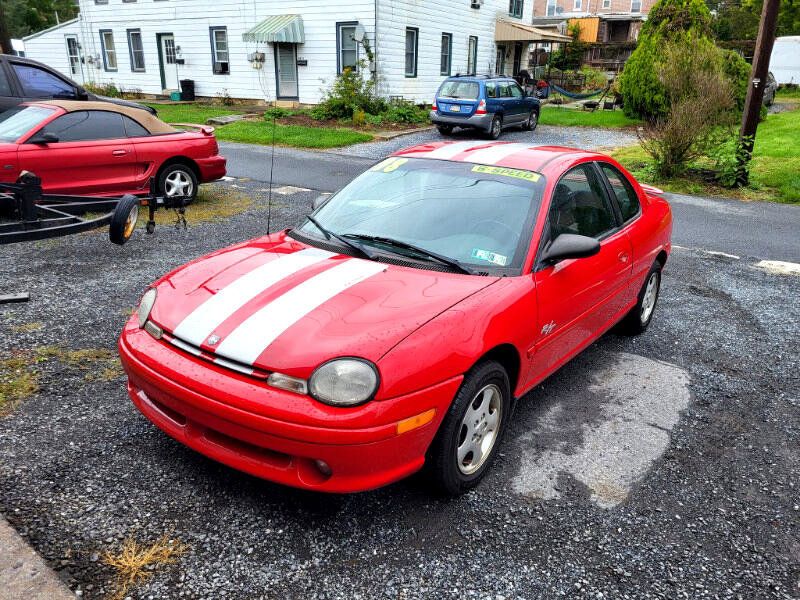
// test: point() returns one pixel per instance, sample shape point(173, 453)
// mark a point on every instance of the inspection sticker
point(491, 257)
point(518, 173)
point(390, 164)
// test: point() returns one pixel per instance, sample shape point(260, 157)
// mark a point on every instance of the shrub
point(571, 55)
point(350, 92)
point(701, 103)
point(103, 89)
point(277, 112)
point(403, 111)
point(373, 119)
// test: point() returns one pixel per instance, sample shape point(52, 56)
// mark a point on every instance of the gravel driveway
point(545, 135)
point(664, 466)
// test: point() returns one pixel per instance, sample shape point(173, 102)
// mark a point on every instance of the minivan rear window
point(465, 90)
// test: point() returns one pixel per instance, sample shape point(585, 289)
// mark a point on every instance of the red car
point(98, 148)
point(396, 326)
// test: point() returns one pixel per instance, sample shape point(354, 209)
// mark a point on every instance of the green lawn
point(189, 113)
point(260, 132)
point(556, 115)
point(786, 94)
point(773, 171)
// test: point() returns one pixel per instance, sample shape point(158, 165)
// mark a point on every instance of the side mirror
point(569, 245)
point(319, 201)
point(81, 93)
point(43, 138)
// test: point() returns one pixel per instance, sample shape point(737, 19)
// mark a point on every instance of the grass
point(135, 562)
point(788, 94)
point(27, 327)
point(773, 170)
point(298, 136)
point(213, 203)
point(18, 380)
point(190, 113)
point(556, 115)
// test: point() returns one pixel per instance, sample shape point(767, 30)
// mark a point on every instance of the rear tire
point(496, 128)
point(177, 180)
point(639, 317)
point(445, 129)
point(472, 430)
point(532, 122)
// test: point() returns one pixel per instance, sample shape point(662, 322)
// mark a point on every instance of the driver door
point(578, 299)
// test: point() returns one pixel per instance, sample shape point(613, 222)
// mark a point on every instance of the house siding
point(50, 47)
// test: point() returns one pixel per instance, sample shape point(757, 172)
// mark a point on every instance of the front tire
point(178, 180)
point(639, 317)
point(471, 432)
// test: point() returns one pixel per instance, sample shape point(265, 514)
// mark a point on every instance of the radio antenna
point(271, 167)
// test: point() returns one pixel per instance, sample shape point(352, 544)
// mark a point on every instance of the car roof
point(150, 122)
point(479, 78)
point(514, 155)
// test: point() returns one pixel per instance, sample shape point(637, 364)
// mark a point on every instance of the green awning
point(280, 28)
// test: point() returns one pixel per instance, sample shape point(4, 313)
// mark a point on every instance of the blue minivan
point(484, 102)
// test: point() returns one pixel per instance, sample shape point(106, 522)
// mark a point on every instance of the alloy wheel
point(480, 427)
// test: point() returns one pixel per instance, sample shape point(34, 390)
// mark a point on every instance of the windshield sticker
point(505, 171)
point(491, 257)
point(390, 164)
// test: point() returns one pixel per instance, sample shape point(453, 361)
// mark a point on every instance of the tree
point(23, 17)
point(739, 20)
point(682, 22)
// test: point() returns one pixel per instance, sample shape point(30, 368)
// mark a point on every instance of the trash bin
point(187, 89)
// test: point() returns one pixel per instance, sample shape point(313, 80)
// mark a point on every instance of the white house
point(285, 50)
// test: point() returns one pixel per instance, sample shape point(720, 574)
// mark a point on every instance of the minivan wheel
point(445, 129)
point(472, 429)
point(496, 128)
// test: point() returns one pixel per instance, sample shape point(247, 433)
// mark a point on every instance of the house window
point(101, 1)
point(109, 51)
point(551, 8)
point(636, 6)
point(347, 57)
point(219, 50)
point(73, 55)
point(515, 8)
point(136, 50)
point(447, 53)
point(412, 33)
point(472, 55)
point(606, 3)
point(578, 5)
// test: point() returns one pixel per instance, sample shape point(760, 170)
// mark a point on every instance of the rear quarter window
point(464, 90)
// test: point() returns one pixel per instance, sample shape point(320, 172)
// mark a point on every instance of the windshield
point(16, 122)
point(481, 216)
point(465, 90)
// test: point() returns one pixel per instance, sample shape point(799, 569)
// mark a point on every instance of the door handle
point(623, 257)
point(119, 152)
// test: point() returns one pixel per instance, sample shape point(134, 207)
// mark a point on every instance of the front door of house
point(517, 58)
point(168, 61)
point(286, 70)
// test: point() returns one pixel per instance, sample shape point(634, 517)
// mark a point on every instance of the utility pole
point(755, 88)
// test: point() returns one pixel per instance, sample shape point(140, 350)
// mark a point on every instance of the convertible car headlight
point(344, 382)
point(145, 306)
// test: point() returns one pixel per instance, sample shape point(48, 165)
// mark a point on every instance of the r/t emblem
point(548, 327)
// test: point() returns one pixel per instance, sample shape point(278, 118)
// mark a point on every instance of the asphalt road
point(759, 229)
point(663, 466)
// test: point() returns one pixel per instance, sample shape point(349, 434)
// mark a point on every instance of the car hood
point(279, 305)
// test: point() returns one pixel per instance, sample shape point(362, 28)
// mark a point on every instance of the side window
point(516, 91)
point(38, 83)
point(623, 190)
point(491, 89)
point(579, 205)
point(5, 88)
point(133, 129)
point(87, 125)
point(504, 89)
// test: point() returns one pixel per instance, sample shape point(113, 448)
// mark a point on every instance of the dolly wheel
point(123, 219)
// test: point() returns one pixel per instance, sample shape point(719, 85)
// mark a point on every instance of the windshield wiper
point(329, 234)
point(450, 262)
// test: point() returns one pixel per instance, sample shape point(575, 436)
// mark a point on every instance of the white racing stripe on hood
point(450, 150)
point(246, 343)
point(203, 320)
point(493, 154)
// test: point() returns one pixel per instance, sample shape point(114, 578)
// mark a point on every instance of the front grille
point(220, 361)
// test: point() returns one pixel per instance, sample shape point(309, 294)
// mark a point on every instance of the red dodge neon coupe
point(396, 327)
point(98, 148)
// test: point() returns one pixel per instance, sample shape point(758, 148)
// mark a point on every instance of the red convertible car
point(98, 148)
point(394, 329)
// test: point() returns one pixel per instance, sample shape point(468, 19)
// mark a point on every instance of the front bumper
point(214, 412)
point(212, 168)
point(483, 122)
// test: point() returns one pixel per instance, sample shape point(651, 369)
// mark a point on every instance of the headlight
point(344, 382)
point(145, 306)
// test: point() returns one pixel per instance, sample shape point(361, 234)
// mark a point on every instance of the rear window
point(465, 90)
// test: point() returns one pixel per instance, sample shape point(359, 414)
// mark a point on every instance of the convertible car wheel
point(637, 320)
point(470, 434)
point(178, 180)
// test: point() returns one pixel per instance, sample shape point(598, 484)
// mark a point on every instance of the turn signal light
point(481, 110)
point(416, 421)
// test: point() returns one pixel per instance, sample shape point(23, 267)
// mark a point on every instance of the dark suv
point(484, 102)
point(26, 80)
